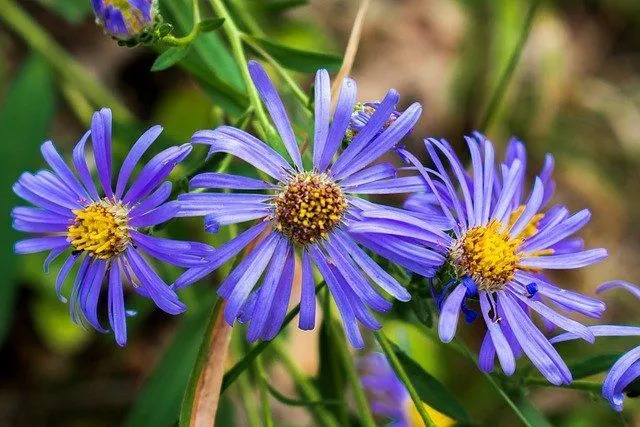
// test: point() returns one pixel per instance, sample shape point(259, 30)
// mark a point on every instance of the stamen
point(309, 207)
point(101, 229)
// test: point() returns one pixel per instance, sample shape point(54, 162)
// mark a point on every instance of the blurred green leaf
point(73, 11)
point(281, 5)
point(592, 365)
point(24, 124)
point(210, 24)
point(431, 391)
point(532, 414)
point(170, 57)
point(298, 59)
point(158, 403)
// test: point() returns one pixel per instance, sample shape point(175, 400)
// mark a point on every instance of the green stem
point(353, 379)
point(511, 66)
point(264, 393)
point(246, 18)
point(66, 67)
point(306, 388)
point(233, 35)
point(297, 91)
point(247, 400)
point(186, 40)
point(575, 385)
point(402, 376)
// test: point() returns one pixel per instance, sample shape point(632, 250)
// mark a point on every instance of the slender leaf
point(431, 391)
point(298, 59)
point(592, 365)
point(24, 124)
point(170, 57)
point(73, 11)
point(210, 24)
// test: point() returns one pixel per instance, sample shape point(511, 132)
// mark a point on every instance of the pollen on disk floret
point(308, 207)
point(101, 229)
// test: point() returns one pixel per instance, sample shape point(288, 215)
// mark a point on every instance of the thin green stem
point(307, 389)
point(297, 91)
point(233, 35)
point(584, 385)
point(247, 400)
point(340, 344)
point(264, 392)
point(402, 376)
point(66, 67)
point(189, 38)
point(246, 18)
point(501, 88)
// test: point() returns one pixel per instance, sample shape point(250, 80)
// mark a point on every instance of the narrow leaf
point(592, 365)
point(210, 24)
point(170, 57)
point(431, 391)
point(298, 59)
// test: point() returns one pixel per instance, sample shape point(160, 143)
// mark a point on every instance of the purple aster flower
point(627, 368)
point(104, 227)
point(497, 248)
point(305, 210)
point(125, 19)
point(389, 398)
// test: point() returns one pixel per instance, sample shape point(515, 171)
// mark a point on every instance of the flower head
point(104, 227)
point(362, 113)
point(496, 251)
point(304, 214)
point(389, 398)
point(125, 19)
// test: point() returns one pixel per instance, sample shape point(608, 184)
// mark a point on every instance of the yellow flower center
point(309, 207)
point(489, 254)
point(101, 229)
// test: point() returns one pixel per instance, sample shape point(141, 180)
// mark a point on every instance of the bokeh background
point(575, 93)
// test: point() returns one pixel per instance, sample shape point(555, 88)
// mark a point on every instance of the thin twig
point(351, 50)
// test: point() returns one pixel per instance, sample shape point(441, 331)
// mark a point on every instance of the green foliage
point(298, 59)
point(24, 125)
point(170, 57)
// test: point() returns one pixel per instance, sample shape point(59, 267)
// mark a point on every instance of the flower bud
point(125, 19)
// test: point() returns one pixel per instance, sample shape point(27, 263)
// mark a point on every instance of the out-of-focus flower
point(125, 19)
point(104, 227)
point(388, 397)
point(361, 115)
point(627, 368)
point(307, 210)
point(496, 251)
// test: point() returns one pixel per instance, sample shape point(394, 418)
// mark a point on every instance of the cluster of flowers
point(479, 236)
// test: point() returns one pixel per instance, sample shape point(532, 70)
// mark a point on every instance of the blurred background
point(575, 93)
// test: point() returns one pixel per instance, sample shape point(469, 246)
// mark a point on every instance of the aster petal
point(601, 331)
point(174, 252)
point(547, 180)
point(101, 141)
point(239, 214)
point(53, 255)
point(565, 261)
point(223, 180)
point(381, 171)
point(281, 300)
point(488, 177)
point(163, 296)
point(399, 229)
point(81, 282)
point(359, 307)
point(156, 171)
point(238, 284)
point(90, 293)
point(156, 216)
point(410, 220)
point(222, 254)
point(39, 244)
point(614, 284)
point(43, 194)
point(448, 321)
point(498, 340)
point(134, 156)
point(340, 123)
point(477, 175)
point(322, 106)
point(407, 184)
point(365, 136)
point(267, 290)
point(505, 199)
point(625, 370)
point(347, 315)
point(80, 163)
point(384, 142)
point(553, 234)
point(63, 273)
point(487, 355)
point(307, 318)
point(276, 109)
point(58, 165)
point(240, 144)
point(155, 199)
point(39, 227)
point(370, 267)
point(39, 201)
point(531, 208)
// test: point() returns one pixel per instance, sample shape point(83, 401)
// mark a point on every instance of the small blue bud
point(125, 19)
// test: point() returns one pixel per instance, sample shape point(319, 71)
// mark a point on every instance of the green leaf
point(592, 365)
point(73, 11)
point(431, 391)
point(158, 403)
point(24, 124)
point(280, 5)
point(211, 24)
point(170, 57)
point(297, 59)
